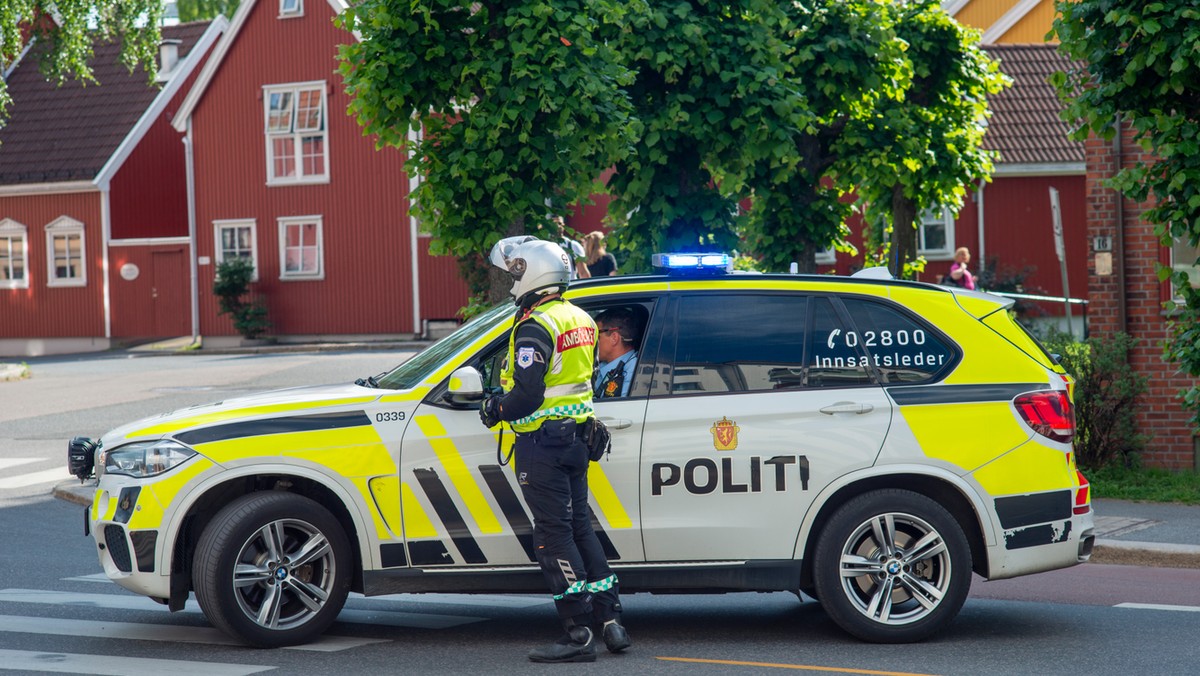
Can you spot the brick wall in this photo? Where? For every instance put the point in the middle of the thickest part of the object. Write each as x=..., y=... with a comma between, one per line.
x=1141, y=315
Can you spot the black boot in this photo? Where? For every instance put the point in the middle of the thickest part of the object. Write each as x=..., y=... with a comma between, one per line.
x=616, y=638
x=579, y=645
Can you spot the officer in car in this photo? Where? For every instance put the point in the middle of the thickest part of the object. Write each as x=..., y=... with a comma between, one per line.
x=616, y=343
x=547, y=397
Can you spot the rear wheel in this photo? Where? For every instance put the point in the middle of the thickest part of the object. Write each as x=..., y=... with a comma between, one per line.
x=272, y=569
x=892, y=566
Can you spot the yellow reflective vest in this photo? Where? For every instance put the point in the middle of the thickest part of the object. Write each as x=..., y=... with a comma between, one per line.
x=569, y=373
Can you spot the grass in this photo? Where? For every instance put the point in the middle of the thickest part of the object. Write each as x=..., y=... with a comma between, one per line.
x=1145, y=484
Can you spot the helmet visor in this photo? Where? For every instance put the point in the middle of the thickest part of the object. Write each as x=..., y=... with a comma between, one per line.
x=501, y=255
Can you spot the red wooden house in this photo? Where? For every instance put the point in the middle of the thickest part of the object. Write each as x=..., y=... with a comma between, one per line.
x=280, y=174
x=93, y=218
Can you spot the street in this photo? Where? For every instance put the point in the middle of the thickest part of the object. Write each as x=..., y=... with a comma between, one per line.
x=59, y=614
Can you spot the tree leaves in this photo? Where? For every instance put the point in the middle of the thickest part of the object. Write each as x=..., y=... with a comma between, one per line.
x=1152, y=82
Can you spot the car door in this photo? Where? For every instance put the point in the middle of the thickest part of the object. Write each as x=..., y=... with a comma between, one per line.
x=461, y=501
x=754, y=409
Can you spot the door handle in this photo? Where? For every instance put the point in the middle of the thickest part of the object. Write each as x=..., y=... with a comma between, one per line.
x=847, y=407
x=616, y=423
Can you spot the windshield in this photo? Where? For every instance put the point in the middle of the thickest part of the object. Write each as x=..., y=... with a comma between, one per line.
x=412, y=372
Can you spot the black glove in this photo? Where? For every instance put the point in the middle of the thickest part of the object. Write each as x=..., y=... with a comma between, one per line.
x=489, y=412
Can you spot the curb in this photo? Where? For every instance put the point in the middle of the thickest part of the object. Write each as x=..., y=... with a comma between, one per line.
x=1116, y=552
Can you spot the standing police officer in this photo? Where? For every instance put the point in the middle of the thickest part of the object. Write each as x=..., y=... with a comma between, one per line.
x=547, y=397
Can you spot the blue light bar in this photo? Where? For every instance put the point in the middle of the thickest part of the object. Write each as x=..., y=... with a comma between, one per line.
x=695, y=262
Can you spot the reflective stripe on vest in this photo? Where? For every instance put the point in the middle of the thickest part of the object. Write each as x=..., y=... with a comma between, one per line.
x=569, y=373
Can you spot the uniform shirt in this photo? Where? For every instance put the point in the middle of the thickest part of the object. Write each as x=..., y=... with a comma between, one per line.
x=613, y=377
x=529, y=379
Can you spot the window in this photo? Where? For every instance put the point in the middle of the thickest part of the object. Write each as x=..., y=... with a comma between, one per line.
x=836, y=356
x=1184, y=258
x=290, y=8
x=235, y=239
x=739, y=343
x=827, y=256
x=300, y=248
x=65, y=253
x=295, y=129
x=14, y=260
x=935, y=236
x=901, y=349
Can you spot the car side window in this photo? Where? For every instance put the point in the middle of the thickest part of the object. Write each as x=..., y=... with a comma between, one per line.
x=739, y=343
x=835, y=355
x=901, y=348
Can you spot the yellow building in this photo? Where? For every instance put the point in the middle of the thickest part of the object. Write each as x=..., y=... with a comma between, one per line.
x=1005, y=21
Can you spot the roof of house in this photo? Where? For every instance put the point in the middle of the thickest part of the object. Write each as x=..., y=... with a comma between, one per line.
x=1025, y=125
x=69, y=132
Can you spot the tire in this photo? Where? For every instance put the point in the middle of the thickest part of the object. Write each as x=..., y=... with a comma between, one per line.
x=892, y=566
x=272, y=569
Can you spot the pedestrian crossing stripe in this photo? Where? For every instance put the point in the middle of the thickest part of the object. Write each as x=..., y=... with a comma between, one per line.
x=71, y=663
x=35, y=478
x=369, y=615
x=170, y=633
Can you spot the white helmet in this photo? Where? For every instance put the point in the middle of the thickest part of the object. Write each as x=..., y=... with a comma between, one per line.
x=536, y=266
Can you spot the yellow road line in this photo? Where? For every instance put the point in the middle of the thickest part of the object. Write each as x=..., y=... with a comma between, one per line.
x=804, y=667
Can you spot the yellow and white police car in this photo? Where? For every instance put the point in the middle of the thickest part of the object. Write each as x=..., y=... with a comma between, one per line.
x=870, y=442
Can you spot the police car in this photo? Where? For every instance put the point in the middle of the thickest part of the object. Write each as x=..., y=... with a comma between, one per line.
x=869, y=442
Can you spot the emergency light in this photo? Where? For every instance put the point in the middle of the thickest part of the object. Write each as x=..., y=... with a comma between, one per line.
x=709, y=263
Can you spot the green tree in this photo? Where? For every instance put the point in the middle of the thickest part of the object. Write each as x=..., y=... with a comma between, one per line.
x=510, y=110
x=195, y=10
x=841, y=60
x=1139, y=64
x=70, y=29
x=923, y=149
x=706, y=72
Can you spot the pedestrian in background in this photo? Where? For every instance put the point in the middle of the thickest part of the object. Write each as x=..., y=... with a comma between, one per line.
x=600, y=263
x=959, y=275
x=574, y=249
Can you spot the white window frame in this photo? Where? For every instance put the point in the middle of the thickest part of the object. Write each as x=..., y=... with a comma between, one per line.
x=218, y=249
x=12, y=230
x=296, y=9
x=291, y=131
x=931, y=217
x=827, y=256
x=1192, y=269
x=284, y=223
x=65, y=226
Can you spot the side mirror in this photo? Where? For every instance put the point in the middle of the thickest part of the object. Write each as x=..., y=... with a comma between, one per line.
x=466, y=388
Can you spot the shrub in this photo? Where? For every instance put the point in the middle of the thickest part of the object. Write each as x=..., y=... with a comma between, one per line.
x=1106, y=393
x=232, y=286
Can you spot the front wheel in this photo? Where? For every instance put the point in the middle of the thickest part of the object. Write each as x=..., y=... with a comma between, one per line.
x=272, y=569
x=892, y=566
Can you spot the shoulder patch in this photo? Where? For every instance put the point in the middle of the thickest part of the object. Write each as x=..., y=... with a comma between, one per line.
x=525, y=357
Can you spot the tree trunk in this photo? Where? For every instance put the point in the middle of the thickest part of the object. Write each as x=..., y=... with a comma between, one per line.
x=904, y=233
x=499, y=281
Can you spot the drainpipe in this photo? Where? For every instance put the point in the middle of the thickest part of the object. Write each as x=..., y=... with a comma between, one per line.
x=105, y=234
x=979, y=209
x=413, y=239
x=193, y=273
x=1119, y=239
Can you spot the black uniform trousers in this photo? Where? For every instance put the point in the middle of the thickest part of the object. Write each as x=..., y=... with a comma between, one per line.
x=552, y=465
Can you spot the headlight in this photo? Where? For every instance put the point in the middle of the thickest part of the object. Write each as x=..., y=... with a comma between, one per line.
x=146, y=458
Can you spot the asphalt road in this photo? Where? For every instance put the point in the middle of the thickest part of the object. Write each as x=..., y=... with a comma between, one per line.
x=58, y=614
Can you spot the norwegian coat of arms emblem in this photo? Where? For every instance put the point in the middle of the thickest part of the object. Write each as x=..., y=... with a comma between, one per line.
x=724, y=433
